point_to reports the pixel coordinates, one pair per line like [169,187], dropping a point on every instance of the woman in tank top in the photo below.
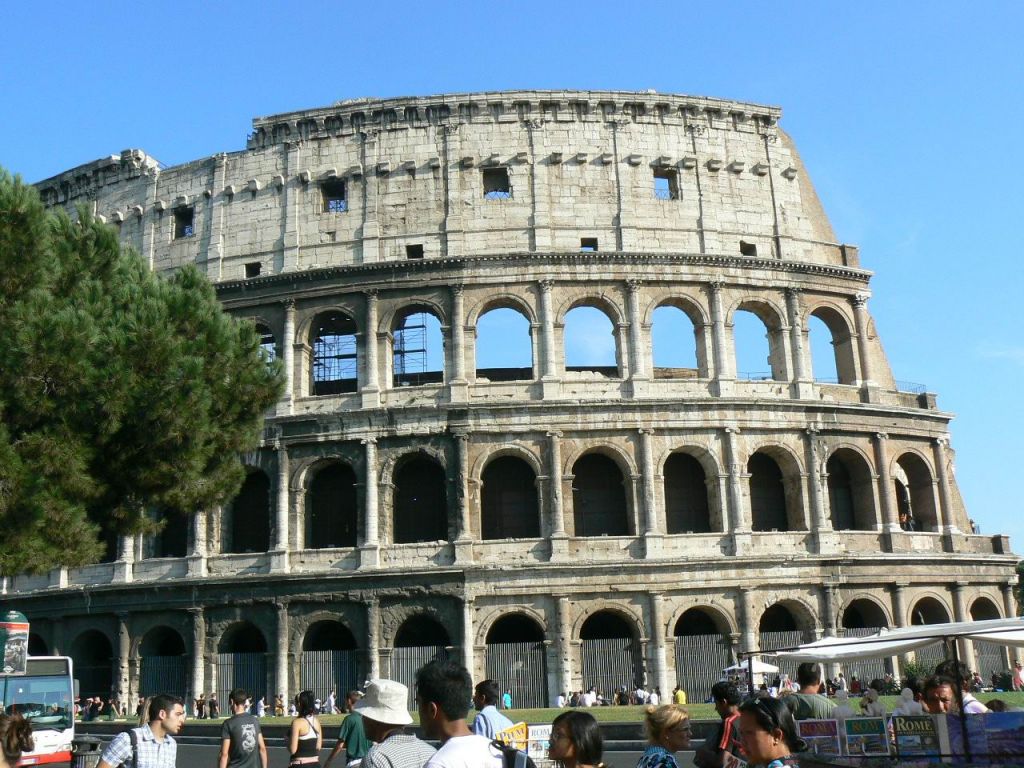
[305,738]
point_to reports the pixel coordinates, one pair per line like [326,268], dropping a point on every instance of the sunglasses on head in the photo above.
[761,705]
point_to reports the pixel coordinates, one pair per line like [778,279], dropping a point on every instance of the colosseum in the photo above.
[448,473]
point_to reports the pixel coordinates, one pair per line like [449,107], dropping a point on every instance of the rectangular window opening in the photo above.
[184,222]
[334,196]
[414,251]
[496,184]
[666,183]
[588,243]
[747,249]
[253,269]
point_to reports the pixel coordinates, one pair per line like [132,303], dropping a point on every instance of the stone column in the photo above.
[565,643]
[886,496]
[559,539]
[1009,612]
[196,558]
[124,649]
[656,636]
[458,386]
[279,557]
[860,318]
[820,522]
[738,514]
[960,613]
[801,370]
[549,375]
[198,681]
[947,522]
[369,556]
[828,597]
[748,629]
[468,660]
[899,605]
[638,350]
[464,539]
[371,386]
[652,534]
[724,370]
[373,637]
[281,652]
[124,568]
[288,353]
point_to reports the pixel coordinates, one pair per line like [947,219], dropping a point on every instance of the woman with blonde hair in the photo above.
[15,738]
[668,731]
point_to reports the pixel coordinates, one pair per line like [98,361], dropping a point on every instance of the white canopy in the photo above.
[889,642]
[760,668]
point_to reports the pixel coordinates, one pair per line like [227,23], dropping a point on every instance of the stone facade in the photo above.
[573,507]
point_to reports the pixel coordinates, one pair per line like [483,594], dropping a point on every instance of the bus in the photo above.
[45,696]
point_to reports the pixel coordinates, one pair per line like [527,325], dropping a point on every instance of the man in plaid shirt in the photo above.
[155,745]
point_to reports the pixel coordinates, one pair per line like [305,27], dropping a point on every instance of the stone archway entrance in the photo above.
[162,663]
[330,660]
[702,651]
[515,658]
[419,640]
[610,654]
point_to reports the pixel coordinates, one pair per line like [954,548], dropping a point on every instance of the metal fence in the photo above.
[95,679]
[700,660]
[163,674]
[788,639]
[242,670]
[931,655]
[989,658]
[324,670]
[866,670]
[406,661]
[520,668]
[611,663]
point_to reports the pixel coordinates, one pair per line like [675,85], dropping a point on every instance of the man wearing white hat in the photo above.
[385,715]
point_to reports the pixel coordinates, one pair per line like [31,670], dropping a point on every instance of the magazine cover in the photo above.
[14,641]
[916,736]
[996,737]
[822,736]
[866,736]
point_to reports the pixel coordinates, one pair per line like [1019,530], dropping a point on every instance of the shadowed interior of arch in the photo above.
[247,520]
[332,511]
[508,500]
[686,495]
[421,501]
[598,497]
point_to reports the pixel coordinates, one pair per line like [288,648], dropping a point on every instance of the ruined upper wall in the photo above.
[580,166]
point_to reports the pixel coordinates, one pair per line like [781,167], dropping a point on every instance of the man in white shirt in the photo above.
[443,693]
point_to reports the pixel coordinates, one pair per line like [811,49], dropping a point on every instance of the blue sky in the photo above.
[907,115]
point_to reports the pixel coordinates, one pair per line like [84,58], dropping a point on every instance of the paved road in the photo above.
[205,756]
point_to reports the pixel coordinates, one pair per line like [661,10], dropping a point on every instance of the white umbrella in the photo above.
[760,668]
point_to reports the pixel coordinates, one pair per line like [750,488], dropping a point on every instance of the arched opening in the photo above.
[162,668]
[332,512]
[598,497]
[172,539]
[248,516]
[610,653]
[268,344]
[335,360]
[988,657]
[677,346]
[37,646]
[421,501]
[850,492]
[702,651]
[508,507]
[915,493]
[417,348]
[93,658]
[242,661]
[781,627]
[757,344]
[590,343]
[330,659]
[516,659]
[769,510]
[419,639]
[504,346]
[831,345]
[928,610]
[686,495]
[861,618]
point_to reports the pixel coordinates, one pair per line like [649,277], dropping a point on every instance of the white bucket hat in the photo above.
[385,701]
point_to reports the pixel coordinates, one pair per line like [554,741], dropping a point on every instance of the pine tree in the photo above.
[121,391]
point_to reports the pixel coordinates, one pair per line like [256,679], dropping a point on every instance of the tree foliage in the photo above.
[121,391]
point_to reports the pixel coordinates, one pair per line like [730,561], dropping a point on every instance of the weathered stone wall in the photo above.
[580,165]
